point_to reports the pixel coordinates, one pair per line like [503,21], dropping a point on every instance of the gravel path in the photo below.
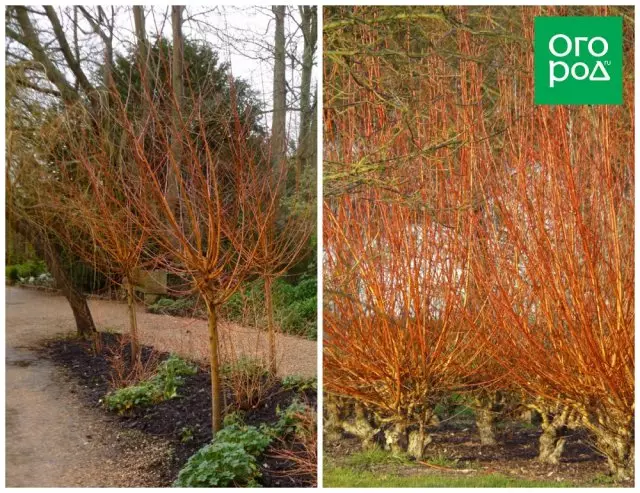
[52,438]
[186,336]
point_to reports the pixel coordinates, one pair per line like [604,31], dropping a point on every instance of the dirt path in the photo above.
[52,438]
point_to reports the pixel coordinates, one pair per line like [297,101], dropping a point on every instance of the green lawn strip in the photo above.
[344,477]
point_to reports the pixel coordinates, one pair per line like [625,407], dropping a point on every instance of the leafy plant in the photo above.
[251,438]
[289,419]
[229,461]
[186,434]
[299,384]
[162,386]
[235,417]
[218,464]
[141,395]
[32,268]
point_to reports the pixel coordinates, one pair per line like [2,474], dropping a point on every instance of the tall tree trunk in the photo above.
[214,359]
[142,56]
[278,162]
[306,140]
[178,93]
[278,138]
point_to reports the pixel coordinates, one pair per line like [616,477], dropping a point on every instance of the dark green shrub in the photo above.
[31,268]
[86,278]
[305,289]
[299,318]
[11,273]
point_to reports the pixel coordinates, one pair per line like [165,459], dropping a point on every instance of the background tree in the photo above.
[42,75]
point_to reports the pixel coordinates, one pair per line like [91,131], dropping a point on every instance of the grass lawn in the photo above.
[377,468]
[336,477]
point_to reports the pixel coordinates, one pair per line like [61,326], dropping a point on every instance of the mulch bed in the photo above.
[185,421]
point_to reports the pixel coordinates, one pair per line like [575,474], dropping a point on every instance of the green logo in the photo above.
[578,60]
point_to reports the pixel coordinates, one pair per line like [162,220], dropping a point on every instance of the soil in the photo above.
[184,422]
[456,450]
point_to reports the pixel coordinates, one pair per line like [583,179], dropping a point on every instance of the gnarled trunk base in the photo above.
[485,421]
[619,451]
[551,444]
[418,441]
[487,407]
[361,427]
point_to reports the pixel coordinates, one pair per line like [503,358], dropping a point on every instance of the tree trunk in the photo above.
[552,440]
[485,421]
[216,387]
[278,124]
[360,427]
[133,323]
[396,439]
[268,301]
[333,420]
[551,444]
[178,93]
[78,301]
[52,256]
[487,406]
[143,59]
[619,451]
[418,441]
[306,140]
